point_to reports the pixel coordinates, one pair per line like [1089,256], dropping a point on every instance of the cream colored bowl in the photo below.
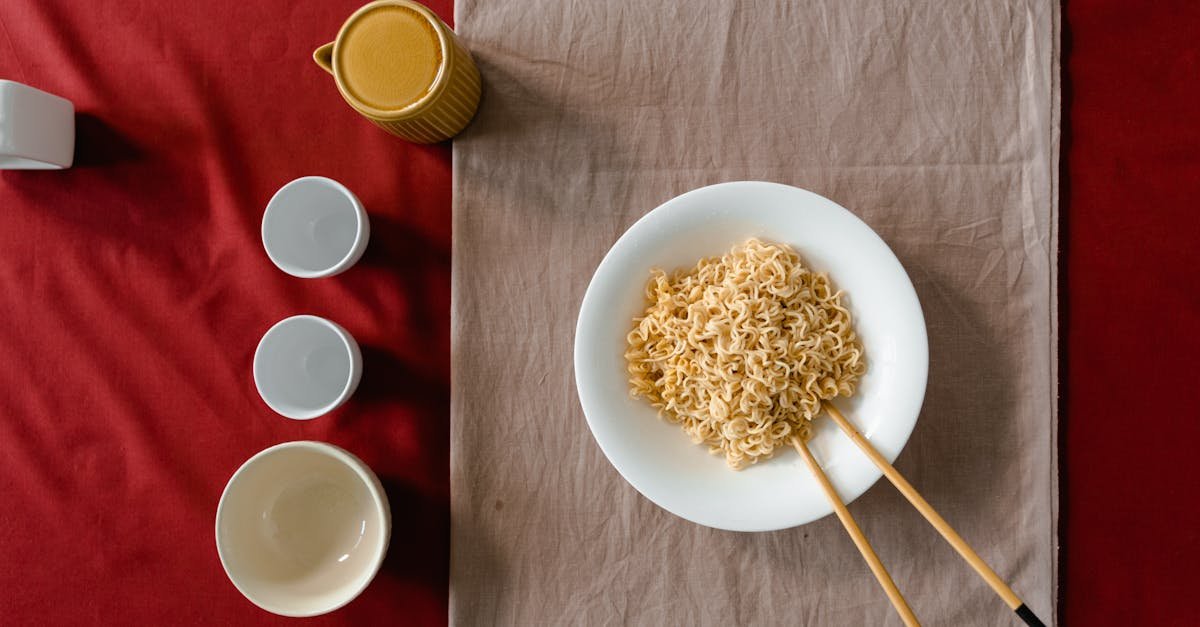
[302,528]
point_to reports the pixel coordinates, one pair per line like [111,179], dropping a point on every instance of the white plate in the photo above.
[658,458]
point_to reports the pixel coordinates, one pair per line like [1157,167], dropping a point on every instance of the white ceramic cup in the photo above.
[314,227]
[306,366]
[37,129]
[302,528]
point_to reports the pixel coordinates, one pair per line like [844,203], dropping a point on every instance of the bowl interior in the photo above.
[311,226]
[301,530]
[304,366]
[656,457]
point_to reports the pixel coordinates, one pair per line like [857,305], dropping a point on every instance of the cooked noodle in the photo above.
[741,350]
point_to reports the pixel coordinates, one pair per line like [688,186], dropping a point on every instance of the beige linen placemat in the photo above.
[936,122]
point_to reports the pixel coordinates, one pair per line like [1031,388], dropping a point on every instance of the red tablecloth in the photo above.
[1132,311]
[133,290]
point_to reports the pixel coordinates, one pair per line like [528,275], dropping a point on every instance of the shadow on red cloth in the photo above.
[393,393]
[388,382]
[97,144]
[420,536]
[128,186]
[421,267]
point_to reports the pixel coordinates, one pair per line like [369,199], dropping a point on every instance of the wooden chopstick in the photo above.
[856,534]
[1010,598]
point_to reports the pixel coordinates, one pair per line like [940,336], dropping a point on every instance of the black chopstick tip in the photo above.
[1027,615]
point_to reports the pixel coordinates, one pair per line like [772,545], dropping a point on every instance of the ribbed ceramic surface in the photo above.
[450,110]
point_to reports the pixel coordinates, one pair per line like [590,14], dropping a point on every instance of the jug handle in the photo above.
[324,57]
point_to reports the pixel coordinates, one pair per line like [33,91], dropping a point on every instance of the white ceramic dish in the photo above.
[37,129]
[306,366]
[302,528]
[314,227]
[656,457]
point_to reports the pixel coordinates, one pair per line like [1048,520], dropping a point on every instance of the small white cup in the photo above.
[306,366]
[314,227]
[302,528]
[37,129]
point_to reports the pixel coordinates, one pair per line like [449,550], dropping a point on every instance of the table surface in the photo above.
[133,290]
[1131,149]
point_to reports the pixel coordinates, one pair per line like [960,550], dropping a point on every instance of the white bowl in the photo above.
[37,129]
[314,227]
[306,366]
[656,457]
[302,528]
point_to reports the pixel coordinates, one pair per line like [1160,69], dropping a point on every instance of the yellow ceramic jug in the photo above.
[401,67]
